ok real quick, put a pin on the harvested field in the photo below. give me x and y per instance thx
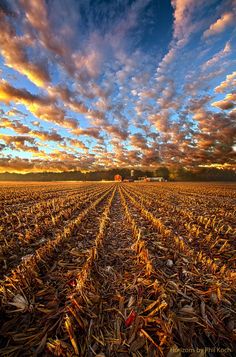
(117, 269)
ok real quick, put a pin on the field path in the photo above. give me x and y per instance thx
(111, 275)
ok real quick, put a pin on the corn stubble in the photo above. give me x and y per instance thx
(112, 269)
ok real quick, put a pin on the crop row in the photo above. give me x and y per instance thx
(46, 293)
(217, 243)
(194, 295)
(21, 234)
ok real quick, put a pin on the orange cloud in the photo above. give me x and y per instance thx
(224, 104)
(36, 15)
(227, 19)
(15, 125)
(15, 139)
(41, 107)
(20, 128)
(160, 120)
(138, 140)
(46, 136)
(12, 48)
(19, 143)
(78, 144)
(229, 82)
(93, 132)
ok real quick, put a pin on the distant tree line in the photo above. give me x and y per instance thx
(72, 175)
(178, 174)
(202, 174)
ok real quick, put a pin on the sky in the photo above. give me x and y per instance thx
(97, 84)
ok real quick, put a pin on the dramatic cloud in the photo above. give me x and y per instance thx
(224, 104)
(15, 125)
(91, 84)
(14, 50)
(230, 82)
(227, 19)
(40, 107)
(184, 10)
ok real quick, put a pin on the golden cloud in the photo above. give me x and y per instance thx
(12, 48)
(224, 104)
(41, 107)
(220, 25)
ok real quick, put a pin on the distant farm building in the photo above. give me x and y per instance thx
(151, 179)
(118, 178)
(154, 179)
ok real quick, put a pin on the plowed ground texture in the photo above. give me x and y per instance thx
(117, 269)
